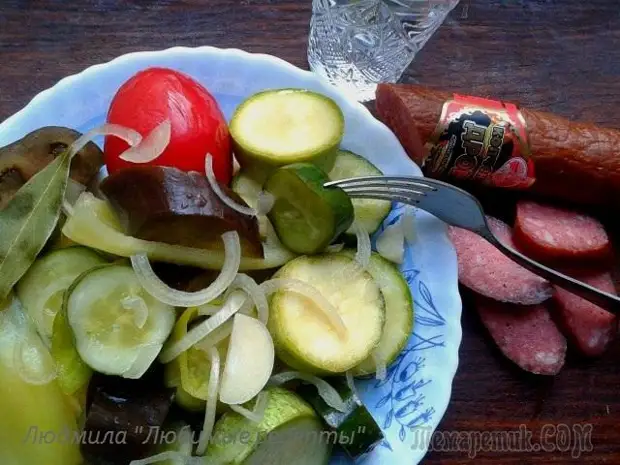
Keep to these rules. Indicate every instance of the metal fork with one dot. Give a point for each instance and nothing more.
(459, 208)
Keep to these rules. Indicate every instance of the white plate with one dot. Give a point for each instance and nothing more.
(411, 401)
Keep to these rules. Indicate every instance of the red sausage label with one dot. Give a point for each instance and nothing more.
(481, 140)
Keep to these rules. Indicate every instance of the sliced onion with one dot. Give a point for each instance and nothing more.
(249, 361)
(380, 365)
(164, 293)
(408, 222)
(67, 208)
(137, 305)
(326, 390)
(198, 333)
(208, 309)
(173, 456)
(33, 363)
(243, 209)
(130, 136)
(334, 248)
(312, 293)
(258, 413)
(391, 243)
(72, 192)
(212, 393)
(217, 336)
(185, 441)
(362, 256)
(264, 202)
(256, 293)
(351, 383)
(74, 189)
(151, 147)
(144, 360)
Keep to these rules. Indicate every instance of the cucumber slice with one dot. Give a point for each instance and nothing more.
(109, 336)
(356, 428)
(307, 216)
(290, 433)
(42, 288)
(278, 127)
(398, 312)
(369, 213)
(303, 339)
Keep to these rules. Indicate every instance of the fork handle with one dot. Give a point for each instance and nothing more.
(604, 300)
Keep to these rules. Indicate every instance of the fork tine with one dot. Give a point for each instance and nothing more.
(386, 185)
(389, 190)
(384, 196)
(382, 181)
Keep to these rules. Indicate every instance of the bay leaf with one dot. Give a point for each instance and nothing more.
(29, 219)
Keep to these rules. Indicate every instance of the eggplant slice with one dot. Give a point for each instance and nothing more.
(127, 413)
(24, 158)
(164, 204)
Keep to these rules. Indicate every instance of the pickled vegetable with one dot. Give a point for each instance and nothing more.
(42, 288)
(191, 368)
(95, 225)
(302, 336)
(119, 328)
(306, 215)
(29, 219)
(290, 433)
(163, 204)
(24, 158)
(129, 409)
(33, 416)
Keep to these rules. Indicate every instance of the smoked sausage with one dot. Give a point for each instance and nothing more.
(487, 271)
(554, 235)
(567, 160)
(525, 334)
(589, 327)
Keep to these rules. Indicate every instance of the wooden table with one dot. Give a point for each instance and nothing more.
(562, 56)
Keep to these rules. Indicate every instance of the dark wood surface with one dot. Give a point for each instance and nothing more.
(561, 56)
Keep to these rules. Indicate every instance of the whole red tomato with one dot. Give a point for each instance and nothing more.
(198, 125)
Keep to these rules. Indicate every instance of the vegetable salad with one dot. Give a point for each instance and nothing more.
(190, 294)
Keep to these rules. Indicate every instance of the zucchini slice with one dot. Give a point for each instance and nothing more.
(42, 288)
(307, 216)
(303, 338)
(278, 127)
(290, 433)
(369, 213)
(110, 336)
(398, 312)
